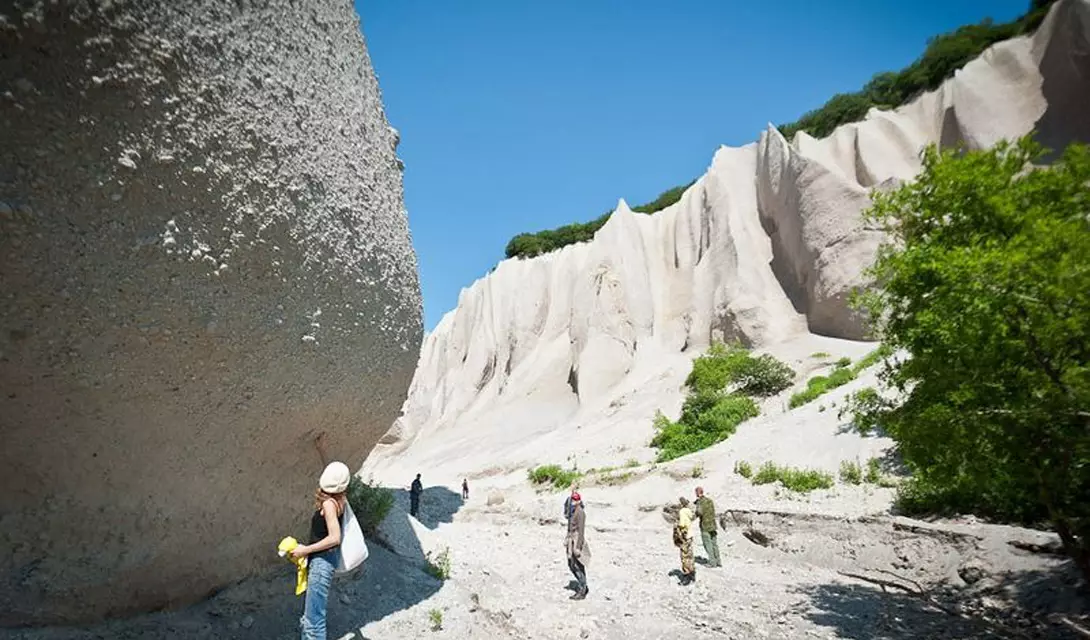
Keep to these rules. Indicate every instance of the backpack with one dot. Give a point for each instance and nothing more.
(679, 535)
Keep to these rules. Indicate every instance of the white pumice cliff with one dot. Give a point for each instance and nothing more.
(205, 263)
(765, 247)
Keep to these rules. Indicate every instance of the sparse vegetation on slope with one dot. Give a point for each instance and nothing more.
(844, 373)
(371, 504)
(800, 480)
(945, 54)
(439, 565)
(553, 474)
(720, 384)
(985, 286)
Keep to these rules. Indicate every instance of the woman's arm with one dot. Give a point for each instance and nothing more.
(333, 524)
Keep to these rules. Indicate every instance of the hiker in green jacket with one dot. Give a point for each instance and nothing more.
(709, 530)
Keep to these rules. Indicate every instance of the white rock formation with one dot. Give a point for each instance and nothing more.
(765, 246)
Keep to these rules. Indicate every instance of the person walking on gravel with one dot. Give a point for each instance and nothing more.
(576, 546)
(465, 489)
(415, 489)
(709, 530)
(683, 540)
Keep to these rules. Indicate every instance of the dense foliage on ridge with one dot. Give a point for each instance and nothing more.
(984, 284)
(944, 55)
(528, 245)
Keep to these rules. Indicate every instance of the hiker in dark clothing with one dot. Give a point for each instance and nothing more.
(575, 544)
(709, 530)
(465, 489)
(414, 495)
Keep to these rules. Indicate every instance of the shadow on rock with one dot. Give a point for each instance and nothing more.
(392, 579)
(437, 505)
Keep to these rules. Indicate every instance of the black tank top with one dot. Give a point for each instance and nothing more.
(318, 528)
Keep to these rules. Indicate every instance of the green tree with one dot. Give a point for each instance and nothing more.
(986, 286)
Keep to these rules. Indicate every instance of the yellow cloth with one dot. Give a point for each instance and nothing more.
(685, 519)
(284, 549)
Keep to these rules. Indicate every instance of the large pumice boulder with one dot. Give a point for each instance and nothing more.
(204, 264)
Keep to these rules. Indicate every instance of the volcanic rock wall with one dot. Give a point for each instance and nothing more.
(770, 242)
(204, 264)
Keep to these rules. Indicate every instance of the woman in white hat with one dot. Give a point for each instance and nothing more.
(325, 540)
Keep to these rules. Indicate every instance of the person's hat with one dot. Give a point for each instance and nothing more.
(335, 478)
(575, 496)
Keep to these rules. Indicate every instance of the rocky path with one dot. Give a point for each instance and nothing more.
(509, 580)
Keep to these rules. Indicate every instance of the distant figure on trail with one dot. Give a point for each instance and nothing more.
(414, 495)
(683, 540)
(323, 550)
(709, 530)
(465, 489)
(575, 544)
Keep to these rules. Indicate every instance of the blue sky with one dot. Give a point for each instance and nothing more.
(519, 116)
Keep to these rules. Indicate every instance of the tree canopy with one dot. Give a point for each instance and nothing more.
(985, 284)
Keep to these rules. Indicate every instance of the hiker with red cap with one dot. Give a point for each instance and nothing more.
(576, 546)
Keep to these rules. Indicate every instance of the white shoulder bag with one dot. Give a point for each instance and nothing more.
(353, 546)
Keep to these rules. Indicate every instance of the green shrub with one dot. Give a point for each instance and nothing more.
(436, 618)
(843, 362)
(873, 358)
(819, 385)
(865, 409)
(371, 504)
(698, 403)
(675, 439)
(553, 474)
(438, 567)
(698, 471)
(850, 472)
(743, 469)
(800, 480)
(875, 476)
(767, 473)
(984, 288)
(819, 355)
(632, 462)
(722, 367)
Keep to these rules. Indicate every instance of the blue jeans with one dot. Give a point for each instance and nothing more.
(319, 579)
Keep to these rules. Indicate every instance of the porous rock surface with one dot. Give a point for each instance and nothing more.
(204, 264)
(766, 246)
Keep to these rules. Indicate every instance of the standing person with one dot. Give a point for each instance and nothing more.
(415, 490)
(574, 486)
(465, 489)
(683, 539)
(709, 530)
(324, 548)
(578, 551)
